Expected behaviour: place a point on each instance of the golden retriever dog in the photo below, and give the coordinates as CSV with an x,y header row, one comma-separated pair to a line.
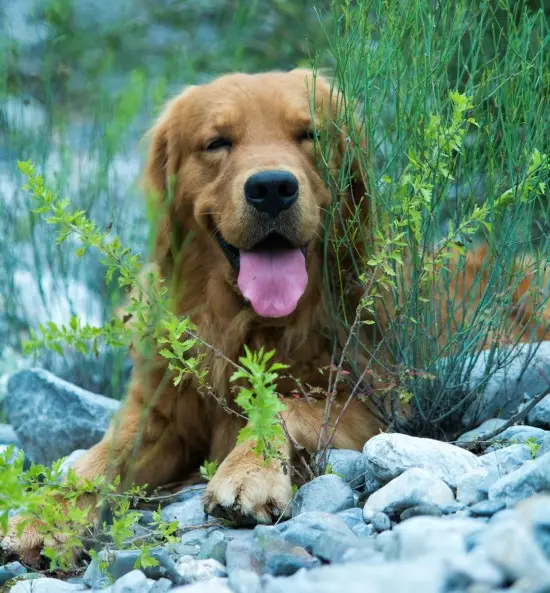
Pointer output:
x,y
237,157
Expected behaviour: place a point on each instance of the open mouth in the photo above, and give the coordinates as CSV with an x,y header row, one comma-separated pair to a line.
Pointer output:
x,y
272,275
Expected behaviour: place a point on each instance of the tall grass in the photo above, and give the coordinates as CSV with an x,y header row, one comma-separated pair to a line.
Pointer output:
x,y
447,172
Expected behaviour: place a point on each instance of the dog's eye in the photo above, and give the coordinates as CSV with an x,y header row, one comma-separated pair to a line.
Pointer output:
x,y
218,143
307,136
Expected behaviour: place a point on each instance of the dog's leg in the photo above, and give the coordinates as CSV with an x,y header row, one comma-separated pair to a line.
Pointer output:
x,y
140,446
247,488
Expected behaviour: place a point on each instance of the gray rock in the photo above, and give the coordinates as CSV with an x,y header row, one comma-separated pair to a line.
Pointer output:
x,y
540,415
469,490
509,381
504,461
278,557
305,529
352,517
348,464
450,508
511,547
188,514
372,484
122,562
71,460
389,455
326,493
323,535
242,581
531,478
46,585
7,435
534,513
363,530
357,577
381,522
132,582
193,571
10,571
421,510
422,536
214,546
484,428
70,418
486,508
413,487
518,434
161,586
473,570
216,585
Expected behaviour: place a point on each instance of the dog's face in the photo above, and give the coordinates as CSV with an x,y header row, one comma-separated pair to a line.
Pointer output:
x,y
241,153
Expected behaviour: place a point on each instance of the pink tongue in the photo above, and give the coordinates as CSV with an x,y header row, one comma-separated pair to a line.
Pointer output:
x,y
273,281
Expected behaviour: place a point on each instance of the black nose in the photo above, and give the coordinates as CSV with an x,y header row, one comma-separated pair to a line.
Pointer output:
x,y
271,191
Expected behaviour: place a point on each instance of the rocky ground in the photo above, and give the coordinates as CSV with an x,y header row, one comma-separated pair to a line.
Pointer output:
x,y
406,514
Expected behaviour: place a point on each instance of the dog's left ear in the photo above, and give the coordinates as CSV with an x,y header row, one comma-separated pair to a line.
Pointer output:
x,y
160,180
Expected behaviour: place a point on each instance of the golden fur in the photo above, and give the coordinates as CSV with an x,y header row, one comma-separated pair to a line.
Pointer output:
x,y
178,427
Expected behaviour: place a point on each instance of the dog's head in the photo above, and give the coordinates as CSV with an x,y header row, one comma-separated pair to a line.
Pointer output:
x,y
237,158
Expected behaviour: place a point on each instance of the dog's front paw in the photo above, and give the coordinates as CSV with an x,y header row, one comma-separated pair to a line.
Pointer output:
x,y
246,490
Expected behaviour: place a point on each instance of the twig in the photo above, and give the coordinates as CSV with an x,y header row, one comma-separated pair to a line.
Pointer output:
x,y
515,418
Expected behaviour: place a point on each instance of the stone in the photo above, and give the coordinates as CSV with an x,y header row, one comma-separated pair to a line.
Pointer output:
x,y
188,514
305,529
531,478
539,416
322,534
348,464
71,460
10,571
161,586
511,547
326,493
518,434
413,487
216,585
513,373
534,513
277,556
352,517
7,435
388,455
47,585
372,484
486,508
484,428
363,530
506,460
421,536
132,582
214,546
122,562
450,508
70,418
469,488
426,576
421,510
381,522
193,570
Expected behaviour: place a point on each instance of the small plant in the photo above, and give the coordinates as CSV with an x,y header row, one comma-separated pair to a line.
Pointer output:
x,y
208,469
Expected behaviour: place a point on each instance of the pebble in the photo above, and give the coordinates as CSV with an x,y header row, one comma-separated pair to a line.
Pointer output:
x,y
486,508
413,487
388,455
326,493
421,510
381,522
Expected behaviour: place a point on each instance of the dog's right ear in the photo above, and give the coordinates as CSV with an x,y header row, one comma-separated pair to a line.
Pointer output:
x,y
161,179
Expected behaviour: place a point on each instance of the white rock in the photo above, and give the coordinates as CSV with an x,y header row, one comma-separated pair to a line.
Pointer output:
x,y
389,455
46,585
194,571
414,486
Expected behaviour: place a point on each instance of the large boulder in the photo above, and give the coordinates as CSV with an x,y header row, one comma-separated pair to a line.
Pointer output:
x,y
52,417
